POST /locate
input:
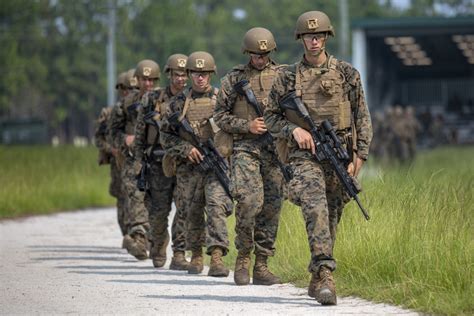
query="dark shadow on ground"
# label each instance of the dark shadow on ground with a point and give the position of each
(117, 259)
(184, 281)
(241, 299)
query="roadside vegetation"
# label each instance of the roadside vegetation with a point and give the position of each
(416, 251)
(43, 179)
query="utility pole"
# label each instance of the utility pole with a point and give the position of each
(344, 31)
(111, 62)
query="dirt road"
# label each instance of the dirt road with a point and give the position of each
(72, 263)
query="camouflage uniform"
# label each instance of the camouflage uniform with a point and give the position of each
(122, 124)
(161, 189)
(315, 187)
(201, 196)
(105, 157)
(256, 177)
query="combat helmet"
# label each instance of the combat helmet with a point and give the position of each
(258, 40)
(313, 22)
(122, 81)
(131, 80)
(147, 69)
(176, 62)
(201, 61)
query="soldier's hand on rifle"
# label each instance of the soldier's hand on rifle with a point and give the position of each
(354, 168)
(257, 126)
(304, 139)
(129, 140)
(195, 156)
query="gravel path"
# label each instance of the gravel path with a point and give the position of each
(72, 263)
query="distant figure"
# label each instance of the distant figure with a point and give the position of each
(413, 129)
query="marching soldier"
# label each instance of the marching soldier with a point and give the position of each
(160, 188)
(256, 177)
(199, 192)
(331, 90)
(123, 124)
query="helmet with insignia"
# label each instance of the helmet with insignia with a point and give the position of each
(202, 62)
(258, 40)
(313, 22)
(176, 62)
(147, 69)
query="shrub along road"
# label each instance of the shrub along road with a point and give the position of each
(72, 263)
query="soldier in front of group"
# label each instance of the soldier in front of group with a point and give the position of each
(160, 189)
(330, 90)
(200, 194)
(123, 124)
(256, 177)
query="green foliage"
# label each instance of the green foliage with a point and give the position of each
(36, 180)
(418, 248)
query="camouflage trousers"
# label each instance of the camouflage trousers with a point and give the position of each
(137, 215)
(117, 190)
(207, 207)
(317, 190)
(257, 188)
(158, 199)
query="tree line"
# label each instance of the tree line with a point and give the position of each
(53, 52)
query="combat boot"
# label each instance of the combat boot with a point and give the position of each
(261, 273)
(322, 287)
(158, 253)
(127, 241)
(137, 247)
(178, 262)
(241, 271)
(196, 266)
(217, 268)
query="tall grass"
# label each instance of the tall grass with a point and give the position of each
(43, 179)
(416, 251)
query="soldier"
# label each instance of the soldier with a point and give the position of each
(147, 74)
(159, 195)
(198, 192)
(256, 177)
(330, 89)
(413, 130)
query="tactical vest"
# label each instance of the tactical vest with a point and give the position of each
(261, 83)
(159, 105)
(322, 92)
(198, 112)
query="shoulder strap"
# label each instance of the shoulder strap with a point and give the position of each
(186, 104)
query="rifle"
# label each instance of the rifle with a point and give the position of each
(212, 159)
(328, 146)
(243, 88)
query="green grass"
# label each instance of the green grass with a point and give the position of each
(42, 179)
(416, 251)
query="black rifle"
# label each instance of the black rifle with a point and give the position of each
(133, 109)
(328, 146)
(212, 160)
(243, 88)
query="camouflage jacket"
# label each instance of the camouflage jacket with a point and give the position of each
(284, 83)
(100, 136)
(174, 145)
(123, 120)
(143, 130)
(226, 99)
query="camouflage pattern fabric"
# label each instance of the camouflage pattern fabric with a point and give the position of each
(256, 177)
(161, 189)
(315, 188)
(200, 195)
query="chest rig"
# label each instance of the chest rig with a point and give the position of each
(159, 106)
(261, 83)
(198, 112)
(322, 92)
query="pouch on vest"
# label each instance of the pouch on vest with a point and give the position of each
(224, 143)
(169, 165)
